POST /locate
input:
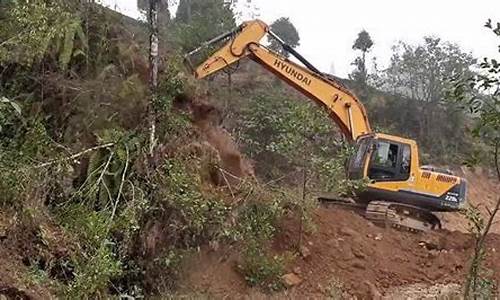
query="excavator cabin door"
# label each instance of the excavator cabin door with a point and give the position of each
(387, 160)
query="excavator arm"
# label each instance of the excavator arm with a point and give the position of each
(342, 106)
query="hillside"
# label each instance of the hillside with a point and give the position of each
(222, 206)
(342, 251)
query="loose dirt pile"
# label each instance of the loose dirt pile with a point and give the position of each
(207, 118)
(24, 248)
(368, 261)
(367, 258)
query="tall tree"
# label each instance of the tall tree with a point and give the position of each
(363, 43)
(199, 20)
(163, 12)
(421, 72)
(153, 66)
(285, 29)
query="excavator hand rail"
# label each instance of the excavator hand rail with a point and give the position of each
(232, 33)
(221, 37)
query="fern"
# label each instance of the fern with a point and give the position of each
(67, 47)
(73, 31)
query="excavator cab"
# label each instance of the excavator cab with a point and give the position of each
(380, 160)
(391, 165)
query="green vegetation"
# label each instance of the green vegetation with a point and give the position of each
(257, 225)
(283, 28)
(197, 21)
(363, 43)
(109, 220)
(263, 271)
(479, 94)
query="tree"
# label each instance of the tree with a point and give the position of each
(480, 95)
(421, 73)
(163, 12)
(284, 28)
(199, 20)
(364, 43)
(153, 67)
(245, 9)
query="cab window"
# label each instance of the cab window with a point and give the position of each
(360, 154)
(405, 160)
(357, 161)
(385, 155)
(390, 161)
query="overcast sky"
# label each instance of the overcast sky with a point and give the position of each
(328, 28)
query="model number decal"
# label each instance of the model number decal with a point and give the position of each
(451, 197)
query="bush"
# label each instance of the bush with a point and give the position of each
(262, 270)
(256, 225)
(93, 274)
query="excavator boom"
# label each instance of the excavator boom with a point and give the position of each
(342, 106)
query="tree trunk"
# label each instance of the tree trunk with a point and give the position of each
(153, 75)
(363, 70)
(477, 259)
(188, 12)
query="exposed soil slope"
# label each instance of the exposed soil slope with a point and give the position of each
(483, 191)
(21, 247)
(368, 260)
(207, 118)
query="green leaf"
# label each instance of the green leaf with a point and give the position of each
(14, 105)
(81, 35)
(67, 49)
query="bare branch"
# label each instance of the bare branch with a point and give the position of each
(488, 210)
(104, 171)
(120, 189)
(497, 164)
(227, 182)
(76, 155)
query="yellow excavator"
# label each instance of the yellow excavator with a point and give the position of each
(400, 192)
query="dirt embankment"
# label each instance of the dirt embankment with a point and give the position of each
(367, 260)
(483, 192)
(25, 248)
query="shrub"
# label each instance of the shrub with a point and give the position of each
(262, 270)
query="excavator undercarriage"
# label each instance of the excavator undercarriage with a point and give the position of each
(387, 214)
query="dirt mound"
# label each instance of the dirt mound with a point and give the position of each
(365, 257)
(207, 118)
(21, 247)
(483, 191)
(349, 252)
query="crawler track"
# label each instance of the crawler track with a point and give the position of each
(398, 215)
